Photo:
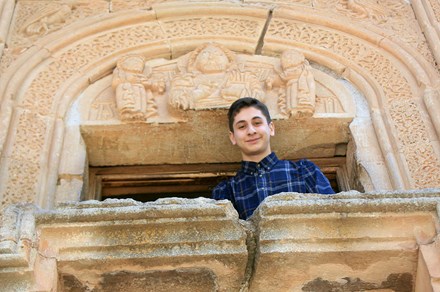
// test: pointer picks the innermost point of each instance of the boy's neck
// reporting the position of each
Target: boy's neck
(255, 158)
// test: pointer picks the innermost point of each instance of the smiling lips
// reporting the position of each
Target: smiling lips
(253, 141)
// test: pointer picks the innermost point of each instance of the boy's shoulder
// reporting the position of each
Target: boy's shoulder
(299, 163)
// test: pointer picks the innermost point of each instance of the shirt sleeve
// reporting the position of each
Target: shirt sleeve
(316, 181)
(222, 191)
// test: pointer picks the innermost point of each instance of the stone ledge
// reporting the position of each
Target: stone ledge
(307, 241)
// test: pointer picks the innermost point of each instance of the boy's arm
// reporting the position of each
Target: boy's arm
(222, 191)
(316, 181)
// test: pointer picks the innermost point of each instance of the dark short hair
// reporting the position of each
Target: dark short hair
(246, 102)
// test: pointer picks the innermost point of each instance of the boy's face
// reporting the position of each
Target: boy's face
(252, 134)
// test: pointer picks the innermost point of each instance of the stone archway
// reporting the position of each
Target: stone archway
(41, 86)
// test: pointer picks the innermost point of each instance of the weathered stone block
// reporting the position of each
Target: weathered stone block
(176, 242)
(314, 242)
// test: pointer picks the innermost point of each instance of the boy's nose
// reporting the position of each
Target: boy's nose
(251, 130)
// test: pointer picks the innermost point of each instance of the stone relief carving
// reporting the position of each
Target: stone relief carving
(298, 98)
(212, 77)
(103, 106)
(327, 101)
(370, 9)
(35, 19)
(134, 90)
(46, 19)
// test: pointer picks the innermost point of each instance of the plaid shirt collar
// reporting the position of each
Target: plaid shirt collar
(250, 167)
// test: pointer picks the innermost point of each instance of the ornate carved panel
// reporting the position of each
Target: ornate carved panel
(212, 77)
(212, 25)
(395, 18)
(86, 51)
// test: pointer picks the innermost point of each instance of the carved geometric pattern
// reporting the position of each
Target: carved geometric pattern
(388, 76)
(435, 4)
(212, 26)
(6, 59)
(308, 3)
(40, 95)
(106, 44)
(118, 5)
(22, 182)
(353, 49)
(29, 137)
(24, 161)
(416, 145)
(395, 18)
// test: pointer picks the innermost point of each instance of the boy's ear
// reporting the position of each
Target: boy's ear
(272, 128)
(232, 138)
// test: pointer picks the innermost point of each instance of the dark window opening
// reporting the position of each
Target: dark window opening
(150, 182)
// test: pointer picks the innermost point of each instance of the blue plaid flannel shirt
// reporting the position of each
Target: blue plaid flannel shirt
(256, 181)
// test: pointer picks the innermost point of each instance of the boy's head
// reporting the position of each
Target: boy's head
(245, 102)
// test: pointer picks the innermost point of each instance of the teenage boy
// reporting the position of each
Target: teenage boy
(262, 174)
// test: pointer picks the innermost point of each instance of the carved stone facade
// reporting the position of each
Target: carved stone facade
(111, 83)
